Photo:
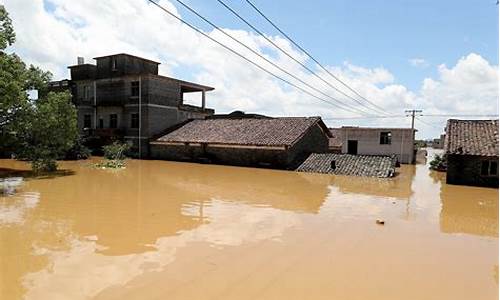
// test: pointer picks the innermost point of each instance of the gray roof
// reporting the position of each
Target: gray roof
(472, 137)
(348, 164)
(245, 131)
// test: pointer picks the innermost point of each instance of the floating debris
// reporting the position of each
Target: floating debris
(9, 185)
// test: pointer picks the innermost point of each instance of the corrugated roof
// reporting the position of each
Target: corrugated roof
(246, 131)
(351, 165)
(472, 137)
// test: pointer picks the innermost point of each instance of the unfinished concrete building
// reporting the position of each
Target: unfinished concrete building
(123, 97)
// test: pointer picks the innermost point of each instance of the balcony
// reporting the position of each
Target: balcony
(105, 132)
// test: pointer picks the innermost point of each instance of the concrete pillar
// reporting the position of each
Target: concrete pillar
(203, 99)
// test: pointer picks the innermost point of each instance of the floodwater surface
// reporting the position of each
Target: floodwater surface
(167, 230)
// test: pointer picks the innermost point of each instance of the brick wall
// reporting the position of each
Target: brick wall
(313, 141)
(466, 170)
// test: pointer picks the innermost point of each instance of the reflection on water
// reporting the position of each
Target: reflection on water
(189, 231)
(469, 210)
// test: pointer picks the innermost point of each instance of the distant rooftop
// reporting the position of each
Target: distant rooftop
(471, 137)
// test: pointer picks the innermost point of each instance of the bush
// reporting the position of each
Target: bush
(44, 165)
(116, 151)
(438, 163)
(78, 151)
(115, 156)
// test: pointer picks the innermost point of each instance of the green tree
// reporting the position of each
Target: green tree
(49, 132)
(7, 35)
(37, 130)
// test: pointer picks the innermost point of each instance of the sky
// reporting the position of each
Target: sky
(438, 56)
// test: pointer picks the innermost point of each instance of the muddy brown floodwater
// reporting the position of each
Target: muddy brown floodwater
(167, 230)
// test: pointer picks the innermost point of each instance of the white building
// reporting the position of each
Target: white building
(379, 141)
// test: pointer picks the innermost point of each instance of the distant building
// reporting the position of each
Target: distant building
(245, 141)
(438, 143)
(375, 141)
(471, 148)
(122, 96)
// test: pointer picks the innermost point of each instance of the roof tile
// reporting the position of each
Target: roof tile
(472, 137)
(246, 131)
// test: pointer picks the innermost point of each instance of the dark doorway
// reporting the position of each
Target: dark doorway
(352, 147)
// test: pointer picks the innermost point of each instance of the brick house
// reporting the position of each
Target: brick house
(245, 141)
(123, 96)
(471, 149)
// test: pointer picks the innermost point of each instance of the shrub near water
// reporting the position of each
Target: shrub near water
(114, 155)
(438, 163)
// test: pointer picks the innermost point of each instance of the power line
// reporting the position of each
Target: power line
(356, 110)
(400, 116)
(365, 118)
(243, 57)
(309, 55)
(293, 58)
(459, 115)
(429, 124)
(412, 113)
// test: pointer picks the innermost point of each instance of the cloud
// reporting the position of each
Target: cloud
(61, 30)
(418, 62)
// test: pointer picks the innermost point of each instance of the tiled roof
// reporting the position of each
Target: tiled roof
(472, 137)
(244, 131)
(348, 164)
(336, 139)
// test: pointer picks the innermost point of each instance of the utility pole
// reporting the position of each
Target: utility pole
(412, 113)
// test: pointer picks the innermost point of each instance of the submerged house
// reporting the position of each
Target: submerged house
(471, 149)
(245, 141)
(398, 142)
(123, 97)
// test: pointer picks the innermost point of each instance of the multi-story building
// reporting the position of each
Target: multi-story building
(123, 96)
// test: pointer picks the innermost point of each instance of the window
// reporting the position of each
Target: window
(86, 92)
(134, 121)
(489, 168)
(113, 121)
(101, 123)
(385, 138)
(134, 88)
(87, 122)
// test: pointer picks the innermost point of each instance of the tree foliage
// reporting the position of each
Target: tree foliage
(38, 130)
(49, 132)
(7, 34)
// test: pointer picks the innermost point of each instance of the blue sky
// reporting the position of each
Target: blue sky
(373, 33)
(439, 56)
